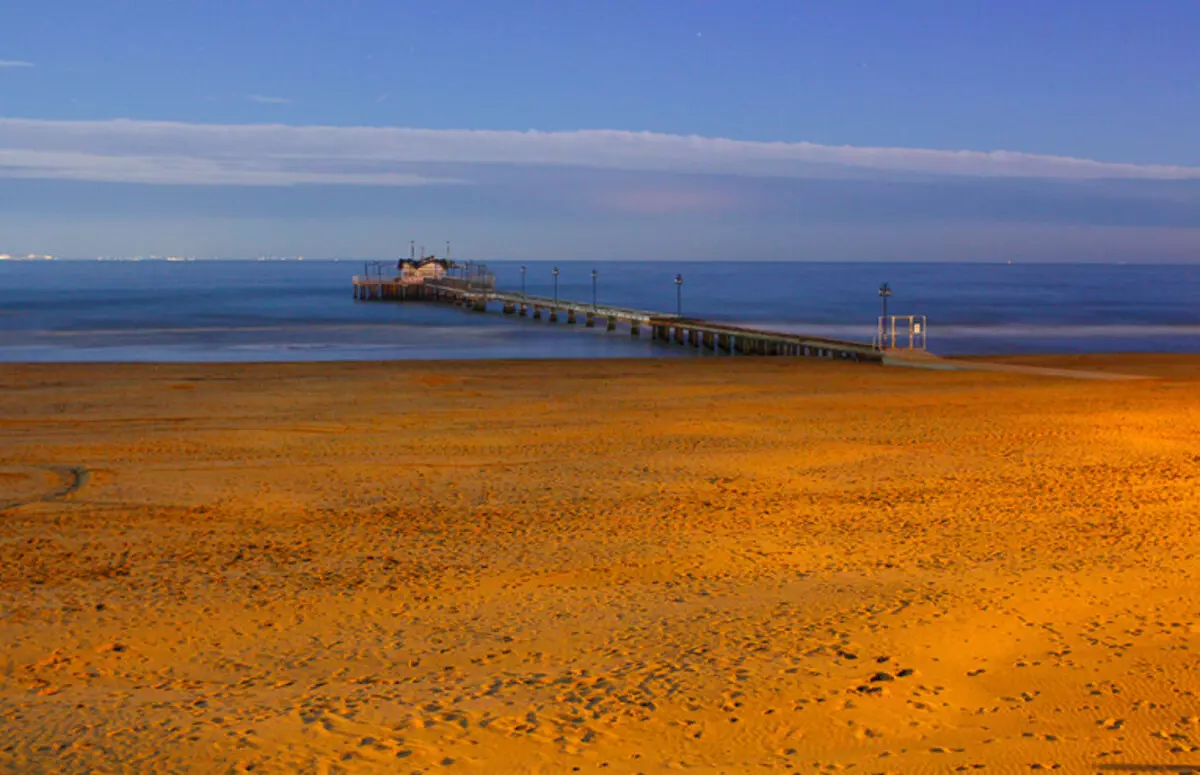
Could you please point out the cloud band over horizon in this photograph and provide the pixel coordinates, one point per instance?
(157, 152)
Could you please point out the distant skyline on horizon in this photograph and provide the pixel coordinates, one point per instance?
(559, 131)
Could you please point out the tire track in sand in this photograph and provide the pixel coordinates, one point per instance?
(73, 479)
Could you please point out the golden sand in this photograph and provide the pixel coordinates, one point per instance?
(714, 565)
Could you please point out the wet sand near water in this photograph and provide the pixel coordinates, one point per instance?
(710, 565)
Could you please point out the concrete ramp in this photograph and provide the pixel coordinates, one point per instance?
(927, 361)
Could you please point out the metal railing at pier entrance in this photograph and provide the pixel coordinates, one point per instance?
(906, 332)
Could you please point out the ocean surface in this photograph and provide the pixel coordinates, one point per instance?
(225, 310)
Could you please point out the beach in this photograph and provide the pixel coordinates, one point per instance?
(644, 565)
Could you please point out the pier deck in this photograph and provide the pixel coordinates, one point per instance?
(693, 332)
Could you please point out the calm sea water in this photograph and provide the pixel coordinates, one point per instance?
(292, 310)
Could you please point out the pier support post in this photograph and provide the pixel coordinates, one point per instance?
(480, 305)
(537, 313)
(591, 321)
(707, 338)
(723, 342)
(612, 325)
(524, 310)
(679, 334)
(571, 316)
(634, 329)
(553, 316)
(509, 308)
(694, 338)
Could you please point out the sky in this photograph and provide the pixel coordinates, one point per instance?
(563, 129)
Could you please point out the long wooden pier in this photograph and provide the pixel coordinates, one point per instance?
(688, 332)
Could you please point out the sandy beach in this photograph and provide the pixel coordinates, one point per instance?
(710, 565)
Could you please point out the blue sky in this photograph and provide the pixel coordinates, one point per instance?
(707, 129)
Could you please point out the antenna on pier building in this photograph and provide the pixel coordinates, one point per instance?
(412, 250)
(447, 250)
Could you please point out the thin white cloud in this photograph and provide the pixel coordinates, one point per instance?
(267, 100)
(275, 154)
(182, 170)
(15, 63)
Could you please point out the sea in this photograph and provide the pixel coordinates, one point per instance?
(303, 310)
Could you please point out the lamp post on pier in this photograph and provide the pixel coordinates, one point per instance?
(885, 291)
(556, 286)
(522, 281)
(679, 295)
(594, 273)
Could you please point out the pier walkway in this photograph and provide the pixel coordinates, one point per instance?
(688, 332)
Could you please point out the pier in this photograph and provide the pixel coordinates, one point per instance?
(674, 329)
